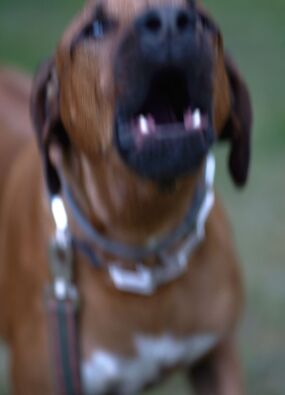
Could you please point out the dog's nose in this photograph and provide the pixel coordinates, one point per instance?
(159, 29)
(170, 20)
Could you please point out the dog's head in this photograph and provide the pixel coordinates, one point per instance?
(149, 79)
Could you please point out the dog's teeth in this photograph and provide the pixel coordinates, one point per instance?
(151, 124)
(143, 125)
(188, 120)
(197, 119)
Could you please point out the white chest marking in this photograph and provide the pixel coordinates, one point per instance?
(105, 371)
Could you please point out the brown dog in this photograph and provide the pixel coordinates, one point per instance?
(125, 116)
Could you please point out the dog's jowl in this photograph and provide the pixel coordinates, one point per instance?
(117, 265)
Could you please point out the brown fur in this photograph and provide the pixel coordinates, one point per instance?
(15, 91)
(208, 298)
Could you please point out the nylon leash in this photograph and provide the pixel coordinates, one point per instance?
(62, 308)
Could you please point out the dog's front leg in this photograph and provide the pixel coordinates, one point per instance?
(219, 373)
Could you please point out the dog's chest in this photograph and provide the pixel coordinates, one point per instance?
(106, 373)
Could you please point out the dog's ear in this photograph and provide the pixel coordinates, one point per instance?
(46, 117)
(238, 126)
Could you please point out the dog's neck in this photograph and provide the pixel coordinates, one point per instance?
(122, 205)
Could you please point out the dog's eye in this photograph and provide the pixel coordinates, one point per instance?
(99, 28)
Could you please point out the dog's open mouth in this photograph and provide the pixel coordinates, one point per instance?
(169, 133)
(166, 112)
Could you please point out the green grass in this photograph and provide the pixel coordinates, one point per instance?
(255, 32)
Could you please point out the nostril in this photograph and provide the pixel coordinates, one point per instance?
(153, 23)
(182, 21)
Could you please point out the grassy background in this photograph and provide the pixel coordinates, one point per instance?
(255, 32)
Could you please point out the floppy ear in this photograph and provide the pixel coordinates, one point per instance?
(46, 118)
(239, 125)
